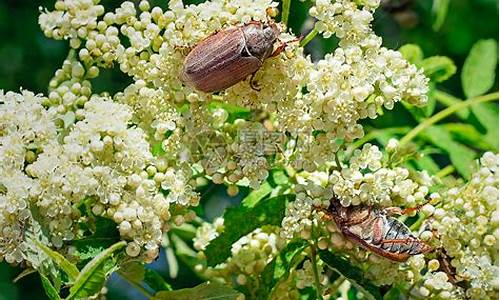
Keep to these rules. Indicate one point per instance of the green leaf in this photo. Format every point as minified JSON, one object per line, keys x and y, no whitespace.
{"x":70,"y":269}
{"x":68,"y":118}
{"x":186,"y":231}
{"x":352,"y":294}
{"x":439,"y":10}
{"x":438,"y":68}
{"x":105,"y":234}
{"x":469,"y":135}
{"x":279,"y":267}
{"x":393,"y":294}
{"x":487,"y":114}
{"x":93,"y":276}
{"x":427,"y":163}
{"x":234,"y":111}
{"x":242,"y":220}
{"x":478,"y":74}
{"x":279,"y":177}
{"x":412,"y":53}
{"x":205,"y":291}
{"x":352,"y":273}
{"x":256,"y":195}
{"x":461,"y":157}
{"x":135,"y":271}
{"x":155,"y":281}
{"x":50,"y":290}
{"x":157,"y":149}
{"x":183,"y":252}
{"x":308,"y":293}
{"x":173,"y":264}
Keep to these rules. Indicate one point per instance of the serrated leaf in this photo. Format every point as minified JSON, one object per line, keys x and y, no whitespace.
{"x":438,"y":68}
{"x":204,"y":291}
{"x":478,"y":74}
{"x":105,"y":235}
{"x":351,"y":273}
{"x":50,"y":290}
{"x":93,"y":276}
{"x":70,"y":269}
{"x":487,"y":114}
{"x":242,"y":220}
{"x":256,"y":195}
{"x":279,"y":267}
{"x":412,"y":53}
{"x":461,"y":157}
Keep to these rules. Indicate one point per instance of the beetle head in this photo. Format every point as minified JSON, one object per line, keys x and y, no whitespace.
{"x":260,"y":39}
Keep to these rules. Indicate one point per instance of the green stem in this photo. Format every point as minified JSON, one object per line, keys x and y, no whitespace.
{"x":449,"y":100}
{"x":445,"y":171}
{"x":337,"y":283}
{"x":309,"y":37}
{"x":314,"y":263}
{"x":373,"y":133}
{"x":286,"y":12}
{"x":445,"y":113}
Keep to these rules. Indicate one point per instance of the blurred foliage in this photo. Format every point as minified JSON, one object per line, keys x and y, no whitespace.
{"x":438,"y":27}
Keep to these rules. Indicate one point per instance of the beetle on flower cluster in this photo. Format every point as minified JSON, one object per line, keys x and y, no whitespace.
{"x":111,"y":178}
{"x":229,"y":56}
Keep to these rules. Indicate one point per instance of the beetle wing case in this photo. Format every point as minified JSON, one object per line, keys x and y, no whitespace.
{"x":217,"y":63}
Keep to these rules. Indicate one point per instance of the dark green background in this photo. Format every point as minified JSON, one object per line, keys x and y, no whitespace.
{"x":28,"y":60}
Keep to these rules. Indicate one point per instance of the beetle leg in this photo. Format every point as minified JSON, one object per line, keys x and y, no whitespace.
{"x":400,"y":241}
{"x":283,"y":45}
{"x":327,"y":214}
{"x":278,"y":50}
{"x":390,"y":211}
{"x":254,"y":84}
{"x":378,"y":231}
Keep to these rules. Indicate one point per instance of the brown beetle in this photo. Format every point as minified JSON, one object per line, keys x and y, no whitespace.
{"x":229,"y":56}
{"x":374,"y":229}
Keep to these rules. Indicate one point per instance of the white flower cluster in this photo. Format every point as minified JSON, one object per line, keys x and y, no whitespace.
{"x":466,"y":223}
{"x":207,"y":232}
{"x":71,"y":19}
{"x":364,"y":180}
{"x":360,"y":77}
{"x":54,"y":168}
{"x":249,"y":255}
{"x":26,"y":128}
{"x":302,"y":98}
